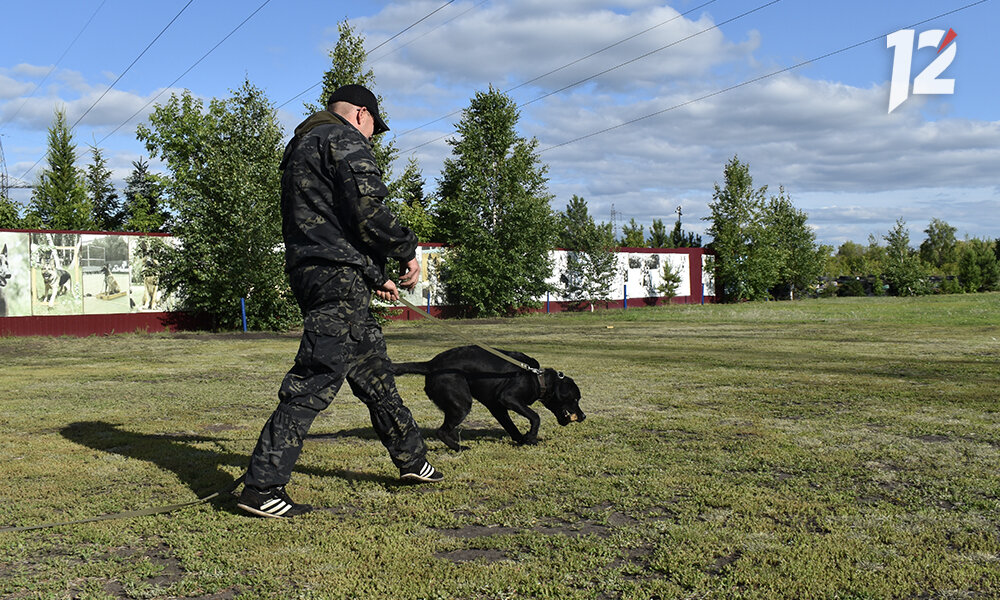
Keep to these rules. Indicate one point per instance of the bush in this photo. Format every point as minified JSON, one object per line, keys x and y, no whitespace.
{"x":851,"y":287}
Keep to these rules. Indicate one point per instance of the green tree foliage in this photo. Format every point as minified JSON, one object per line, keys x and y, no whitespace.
{"x":109,"y":215}
{"x":939,"y":250}
{"x":591,"y":260}
{"x":747,"y":264}
{"x":145,"y":209}
{"x":633,"y":235}
{"x":681,"y":239}
{"x":348,"y":66}
{"x":59,"y":199}
{"x":978,"y":266}
{"x":658,"y":237}
{"x":224,"y":193}
{"x":902,"y":270}
{"x":800,"y":259}
{"x":849,"y":260}
{"x":10,"y":214}
{"x":411,"y":207}
{"x":671,"y":277}
{"x":493,"y":208}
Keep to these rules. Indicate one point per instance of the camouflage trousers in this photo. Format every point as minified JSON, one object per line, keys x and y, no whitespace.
{"x":341,"y":341}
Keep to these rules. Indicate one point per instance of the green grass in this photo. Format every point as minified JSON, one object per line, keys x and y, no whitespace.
{"x":842,"y":448}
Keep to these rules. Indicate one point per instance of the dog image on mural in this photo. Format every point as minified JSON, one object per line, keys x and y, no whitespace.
{"x":145,"y":280}
{"x":55,"y":273}
{"x":111,"y":286}
{"x":15,"y":278}
{"x":5,"y":276}
{"x":58,"y":282}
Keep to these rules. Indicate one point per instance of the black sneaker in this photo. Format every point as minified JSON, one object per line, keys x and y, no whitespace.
{"x":273,"y":503}
{"x":424,"y":473}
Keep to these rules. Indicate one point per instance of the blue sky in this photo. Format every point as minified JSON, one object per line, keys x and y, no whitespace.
{"x":822,"y":131}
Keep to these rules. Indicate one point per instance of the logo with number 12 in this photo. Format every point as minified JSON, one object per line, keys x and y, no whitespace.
{"x":928,"y":80}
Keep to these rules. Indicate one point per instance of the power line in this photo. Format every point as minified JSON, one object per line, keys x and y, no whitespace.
{"x":652,"y":52}
{"x":148,"y":46}
{"x":618,"y":43}
{"x":61,"y":57}
{"x":757,"y":79}
{"x":556,"y":70}
{"x":132,"y":64}
{"x":411,"y":26}
{"x":188,"y":70}
{"x":428,"y":32}
{"x":628,"y":62}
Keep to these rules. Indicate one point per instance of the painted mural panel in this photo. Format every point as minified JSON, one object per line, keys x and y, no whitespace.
{"x":104,"y":268}
{"x":56,"y":287}
{"x":15,"y":274}
{"x":428,"y":288}
{"x":144,"y":284}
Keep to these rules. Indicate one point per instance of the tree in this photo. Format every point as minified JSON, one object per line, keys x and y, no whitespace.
{"x":902,"y":270}
{"x":800,"y":260}
{"x":224,"y":192}
{"x":411,"y":207}
{"x":10,"y":214}
{"x":849,"y":260}
{"x":939,"y":249}
{"x":680,"y":239}
{"x":591,"y":260}
{"x":493,"y":208}
{"x":109,"y":215}
{"x":658,"y":237}
{"x":59,"y":199}
{"x":145,"y":209}
{"x":348,"y":59}
{"x":978,"y":267}
{"x":747,"y":263}
{"x":633,"y":236}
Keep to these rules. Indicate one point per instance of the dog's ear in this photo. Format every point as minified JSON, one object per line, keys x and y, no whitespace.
{"x":4,"y":249}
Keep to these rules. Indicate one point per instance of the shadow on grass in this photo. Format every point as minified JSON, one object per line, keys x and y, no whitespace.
{"x":198,"y":468}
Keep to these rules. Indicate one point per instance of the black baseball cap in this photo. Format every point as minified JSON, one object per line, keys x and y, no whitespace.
{"x":359,"y":95}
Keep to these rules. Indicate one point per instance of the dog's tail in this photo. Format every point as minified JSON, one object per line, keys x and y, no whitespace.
{"x":411,"y":368}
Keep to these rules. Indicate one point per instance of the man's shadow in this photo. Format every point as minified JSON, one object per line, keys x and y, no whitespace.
{"x":199,"y":469}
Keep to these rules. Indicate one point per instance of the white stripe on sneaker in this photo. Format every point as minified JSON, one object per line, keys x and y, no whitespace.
{"x":427,"y":470}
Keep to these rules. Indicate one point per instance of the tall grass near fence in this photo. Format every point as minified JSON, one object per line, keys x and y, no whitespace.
{"x":843,"y":448}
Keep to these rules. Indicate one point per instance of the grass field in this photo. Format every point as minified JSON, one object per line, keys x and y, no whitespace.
{"x":842,"y":448}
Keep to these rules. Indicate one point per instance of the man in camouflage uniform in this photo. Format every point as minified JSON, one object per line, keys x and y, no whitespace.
{"x":338,"y":238}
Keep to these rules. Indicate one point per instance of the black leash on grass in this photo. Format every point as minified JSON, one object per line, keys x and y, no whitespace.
{"x":131,"y":513}
{"x":173,"y":507}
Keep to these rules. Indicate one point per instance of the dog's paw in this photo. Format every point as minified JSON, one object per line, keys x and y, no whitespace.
{"x":451,"y":440}
{"x":528,"y":441}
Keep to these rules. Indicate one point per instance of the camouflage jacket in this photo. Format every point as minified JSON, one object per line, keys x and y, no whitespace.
{"x":332,"y":207}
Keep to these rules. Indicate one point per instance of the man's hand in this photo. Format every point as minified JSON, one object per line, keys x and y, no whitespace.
{"x":388,"y":292}
{"x":409,"y":274}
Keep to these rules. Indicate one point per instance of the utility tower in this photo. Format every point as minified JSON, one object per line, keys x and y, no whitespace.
{"x":5,"y":183}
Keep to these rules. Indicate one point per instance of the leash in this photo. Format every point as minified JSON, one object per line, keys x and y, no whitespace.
{"x":132,"y":513}
{"x":454,"y":330}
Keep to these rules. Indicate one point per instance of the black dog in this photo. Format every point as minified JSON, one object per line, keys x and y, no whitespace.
{"x":454,"y":377}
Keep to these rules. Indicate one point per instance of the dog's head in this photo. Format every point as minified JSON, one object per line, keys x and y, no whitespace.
{"x":564,"y":399}
{"x":5,"y":273}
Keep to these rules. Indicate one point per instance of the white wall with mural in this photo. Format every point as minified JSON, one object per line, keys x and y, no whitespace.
{"x":639,"y":275}
{"x":52,"y":273}
{"x":55,"y":273}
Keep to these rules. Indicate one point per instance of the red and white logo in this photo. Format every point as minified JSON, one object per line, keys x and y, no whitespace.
{"x":927,"y":81}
